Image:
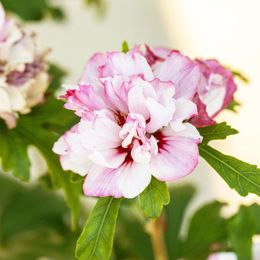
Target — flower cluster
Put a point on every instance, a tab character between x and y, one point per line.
138	112
23	71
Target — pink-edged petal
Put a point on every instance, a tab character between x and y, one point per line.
110	158
73	155
114	94
128	64
160	115
133	178
100	134
2	19
177	157
185	109
85	99
202	119
92	71
182	71
102	182
165	91
137	95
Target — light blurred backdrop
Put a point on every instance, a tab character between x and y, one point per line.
225	29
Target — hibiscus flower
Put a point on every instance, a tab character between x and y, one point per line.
133	123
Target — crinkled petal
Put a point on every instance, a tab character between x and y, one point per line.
128	64
185	109
160	115
182	71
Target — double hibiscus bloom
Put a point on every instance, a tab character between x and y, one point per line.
138	117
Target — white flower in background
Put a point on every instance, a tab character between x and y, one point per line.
23	71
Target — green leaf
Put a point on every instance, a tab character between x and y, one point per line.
100	5
13	153
255	209
33	223
206	228
241	176
96	240
153	198
216	132
33	10
125	47
240	75
241	230
233	105
57	74
132	240
40	121
181	197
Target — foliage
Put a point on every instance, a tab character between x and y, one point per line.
33	10
239	175
96	240
153	198
41	128
33	223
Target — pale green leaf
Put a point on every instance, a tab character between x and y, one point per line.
96	240
153	198
125	47
239	175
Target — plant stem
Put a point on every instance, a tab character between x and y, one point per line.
155	228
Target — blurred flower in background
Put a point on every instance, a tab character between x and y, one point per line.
23	71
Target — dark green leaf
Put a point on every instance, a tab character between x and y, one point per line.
241	229
33	10
216	132
33	223
13	153
207	228
96	240
153	198
44	140
241	176
255	209
132	240
175	212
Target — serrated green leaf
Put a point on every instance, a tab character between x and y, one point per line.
44	140
153	198
241	230
174	213
216	132
96	240
239	175
207	227
33	10
125	47
13	153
